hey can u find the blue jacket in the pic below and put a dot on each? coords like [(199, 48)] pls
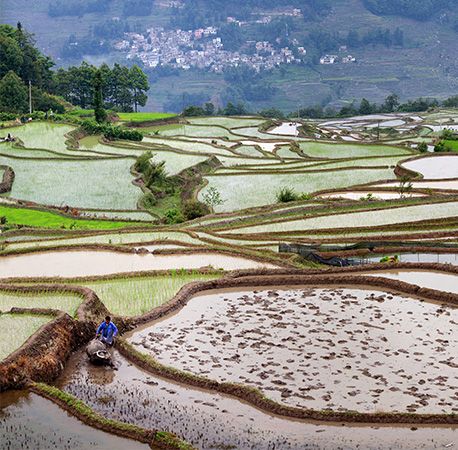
[(108, 331)]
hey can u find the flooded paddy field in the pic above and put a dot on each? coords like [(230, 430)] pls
[(435, 168), (441, 258), (86, 263), (29, 422), (440, 281), (214, 421), (339, 348)]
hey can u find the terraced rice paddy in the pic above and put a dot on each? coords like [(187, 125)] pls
[(107, 183), (287, 342), (432, 280), (243, 191), (46, 300), (136, 296), (341, 351), (15, 329), (209, 420), (88, 263), (433, 168), (368, 218), (30, 422)]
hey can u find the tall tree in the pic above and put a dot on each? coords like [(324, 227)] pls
[(365, 107), (122, 94), (99, 111), (139, 85), (13, 94)]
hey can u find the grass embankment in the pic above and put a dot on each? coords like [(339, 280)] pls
[(46, 219), (144, 116)]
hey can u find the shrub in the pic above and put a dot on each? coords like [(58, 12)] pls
[(194, 209), (110, 132), (149, 200), (285, 195), (173, 215), (422, 147)]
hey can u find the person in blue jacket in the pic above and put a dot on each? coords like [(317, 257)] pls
[(107, 331)]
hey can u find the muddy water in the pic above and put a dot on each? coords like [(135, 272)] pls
[(342, 349), (85, 263), (432, 280), (28, 421), (214, 421), (442, 258)]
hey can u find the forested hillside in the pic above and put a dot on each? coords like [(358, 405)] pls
[(21, 64), (404, 47)]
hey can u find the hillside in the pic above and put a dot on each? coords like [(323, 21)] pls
[(422, 63)]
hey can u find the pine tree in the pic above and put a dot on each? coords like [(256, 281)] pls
[(139, 85), (99, 111), (13, 94)]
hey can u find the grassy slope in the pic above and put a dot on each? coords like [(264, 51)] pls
[(453, 145)]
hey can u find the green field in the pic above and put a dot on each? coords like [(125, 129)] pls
[(48, 300), (15, 329), (144, 116), (136, 296), (44, 219)]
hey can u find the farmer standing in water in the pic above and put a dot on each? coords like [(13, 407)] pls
[(107, 331)]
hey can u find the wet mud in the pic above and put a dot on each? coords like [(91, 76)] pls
[(338, 349), (214, 421)]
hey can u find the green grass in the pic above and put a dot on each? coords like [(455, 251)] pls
[(144, 116), (45, 219), (15, 329), (135, 296), (452, 144), (54, 300)]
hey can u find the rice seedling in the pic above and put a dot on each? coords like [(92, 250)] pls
[(66, 302), (135, 296), (15, 329)]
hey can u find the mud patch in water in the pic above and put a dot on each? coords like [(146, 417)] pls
[(339, 349), (214, 421)]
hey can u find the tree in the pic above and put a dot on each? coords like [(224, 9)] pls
[(121, 93), (13, 94), (209, 109), (212, 198), (99, 111), (139, 85), (391, 103), (365, 107), (405, 186)]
